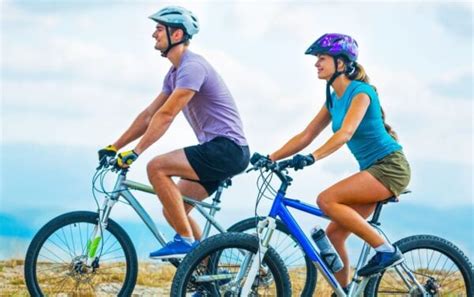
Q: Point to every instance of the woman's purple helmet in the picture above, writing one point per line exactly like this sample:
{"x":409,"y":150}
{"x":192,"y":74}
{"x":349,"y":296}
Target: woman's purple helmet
{"x":335,"y":44}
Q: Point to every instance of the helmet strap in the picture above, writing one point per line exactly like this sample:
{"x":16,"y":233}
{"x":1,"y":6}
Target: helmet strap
{"x":170,"y":44}
{"x":329,"y":83}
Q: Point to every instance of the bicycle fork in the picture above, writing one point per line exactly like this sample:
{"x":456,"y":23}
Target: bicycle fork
{"x":265,"y":230}
{"x":94,"y":241}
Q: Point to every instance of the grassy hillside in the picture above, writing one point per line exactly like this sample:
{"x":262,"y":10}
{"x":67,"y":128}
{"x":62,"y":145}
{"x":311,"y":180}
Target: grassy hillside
{"x":154,"y":279}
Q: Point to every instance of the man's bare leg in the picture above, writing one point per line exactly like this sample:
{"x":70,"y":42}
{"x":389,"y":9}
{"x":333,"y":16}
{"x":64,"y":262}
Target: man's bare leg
{"x":160,"y":170}
{"x":195,"y":191}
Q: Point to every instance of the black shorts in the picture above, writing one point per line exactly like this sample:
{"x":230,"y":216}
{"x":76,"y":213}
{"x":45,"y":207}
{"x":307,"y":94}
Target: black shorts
{"x":216,"y":160}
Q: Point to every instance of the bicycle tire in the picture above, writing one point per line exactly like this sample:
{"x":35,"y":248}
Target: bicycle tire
{"x":308,"y":277}
{"x":435,"y":245}
{"x":212,"y":249}
{"x":44,"y":240}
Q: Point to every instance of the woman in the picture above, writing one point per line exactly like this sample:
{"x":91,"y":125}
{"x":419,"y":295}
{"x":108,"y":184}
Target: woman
{"x":358,"y":120}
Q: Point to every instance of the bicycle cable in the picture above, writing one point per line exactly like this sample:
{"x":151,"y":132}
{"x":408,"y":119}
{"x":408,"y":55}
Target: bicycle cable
{"x":100,"y":175}
{"x":262,"y":188}
{"x":94,"y":180}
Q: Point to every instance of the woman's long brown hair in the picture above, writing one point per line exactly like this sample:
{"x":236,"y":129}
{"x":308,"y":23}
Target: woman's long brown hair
{"x":360,"y":75}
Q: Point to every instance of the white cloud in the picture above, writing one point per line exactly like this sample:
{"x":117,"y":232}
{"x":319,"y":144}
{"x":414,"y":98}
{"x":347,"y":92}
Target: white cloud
{"x":83,"y":77}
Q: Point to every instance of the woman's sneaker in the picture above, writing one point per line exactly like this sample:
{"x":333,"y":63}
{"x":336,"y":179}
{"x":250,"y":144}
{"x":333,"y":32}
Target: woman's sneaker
{"x":381,"y":261}
{"x":177,"y":248}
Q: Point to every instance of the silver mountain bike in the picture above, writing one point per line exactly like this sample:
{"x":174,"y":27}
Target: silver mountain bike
{"x":87,"y":253}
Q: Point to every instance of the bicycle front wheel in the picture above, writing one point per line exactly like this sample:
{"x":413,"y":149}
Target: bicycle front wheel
{"x":57,"y":261}
{"x":219,"y":267}
{"x":300,"y":267}
{"x":437,"y":264}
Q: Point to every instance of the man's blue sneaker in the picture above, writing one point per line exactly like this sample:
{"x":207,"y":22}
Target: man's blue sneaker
{"x":177,"y":248}
{"x":381,"y":261}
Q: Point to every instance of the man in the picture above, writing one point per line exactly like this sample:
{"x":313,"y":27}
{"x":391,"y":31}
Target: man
{"x":194,"y":87}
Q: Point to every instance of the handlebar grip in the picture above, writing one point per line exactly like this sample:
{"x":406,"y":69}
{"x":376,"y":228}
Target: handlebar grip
{"x":255,"y":158}
{"x":285,"y":164}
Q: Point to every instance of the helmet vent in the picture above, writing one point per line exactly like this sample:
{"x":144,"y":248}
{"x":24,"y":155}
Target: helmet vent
{"x":172,"y":12}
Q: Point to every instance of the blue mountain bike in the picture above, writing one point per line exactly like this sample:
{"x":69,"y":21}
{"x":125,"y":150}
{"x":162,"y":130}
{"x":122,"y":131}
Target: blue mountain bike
{"x":233,"y":265}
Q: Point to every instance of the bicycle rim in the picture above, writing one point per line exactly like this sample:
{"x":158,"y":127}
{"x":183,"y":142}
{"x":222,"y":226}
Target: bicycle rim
{"x":225,"y":265}
{"x":435,"y":271}
{"x":293,"y":257}
{"x":63,"y":267}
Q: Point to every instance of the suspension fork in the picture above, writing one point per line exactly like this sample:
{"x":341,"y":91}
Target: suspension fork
{"x":96,"y":237}
{"x":265,"y":229}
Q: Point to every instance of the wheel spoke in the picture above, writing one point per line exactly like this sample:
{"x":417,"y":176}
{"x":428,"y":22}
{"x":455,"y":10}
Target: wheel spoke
{"x":55,"y":274}
{"x":431,"y":261}
{"x":293,"y":256}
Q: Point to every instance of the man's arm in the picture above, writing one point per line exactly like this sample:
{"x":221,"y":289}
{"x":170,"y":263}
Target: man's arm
{"x":163,"y":118}
{"x":141,"y":122}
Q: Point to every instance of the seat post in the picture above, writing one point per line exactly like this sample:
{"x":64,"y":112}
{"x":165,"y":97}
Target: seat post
{"x":377,"y":212}
{"x":217,"y":196}
{"x":223,"y":184}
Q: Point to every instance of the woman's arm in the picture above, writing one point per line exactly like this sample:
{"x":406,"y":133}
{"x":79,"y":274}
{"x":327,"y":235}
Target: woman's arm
{"x":303,"y":139}
{"x":351,"y":122}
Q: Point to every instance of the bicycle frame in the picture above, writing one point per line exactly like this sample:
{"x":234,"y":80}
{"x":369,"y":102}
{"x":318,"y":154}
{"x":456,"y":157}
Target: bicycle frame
{"x":279,"y":209}
{"x":122,"y":189}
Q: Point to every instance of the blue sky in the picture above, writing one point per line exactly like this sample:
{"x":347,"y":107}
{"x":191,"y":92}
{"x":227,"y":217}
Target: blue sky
{"x":75,"y":74}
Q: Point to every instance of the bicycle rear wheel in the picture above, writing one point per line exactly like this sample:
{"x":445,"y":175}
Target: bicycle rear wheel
{"x":219,"y":266}
{"x":300,"y":267}
{"x":57,"y":263}
{"x":438,"y":265}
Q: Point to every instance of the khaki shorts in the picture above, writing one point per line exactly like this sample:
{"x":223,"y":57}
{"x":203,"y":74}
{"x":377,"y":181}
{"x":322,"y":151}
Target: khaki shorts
{"x":393,"y":171}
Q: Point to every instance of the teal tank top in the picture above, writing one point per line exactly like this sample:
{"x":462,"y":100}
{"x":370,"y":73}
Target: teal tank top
{"x":370,"y":142}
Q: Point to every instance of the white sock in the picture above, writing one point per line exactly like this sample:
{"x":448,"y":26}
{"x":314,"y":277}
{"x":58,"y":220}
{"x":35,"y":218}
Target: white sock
{"x":385,"y":248}
{"x":189,"y":240}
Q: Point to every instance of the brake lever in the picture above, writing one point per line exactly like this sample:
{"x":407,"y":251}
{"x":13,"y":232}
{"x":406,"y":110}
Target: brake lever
{"x":102,"y":163}
{"x":253,"y":168}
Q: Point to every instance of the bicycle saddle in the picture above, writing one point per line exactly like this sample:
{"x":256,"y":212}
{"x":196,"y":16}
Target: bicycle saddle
{"x":394,"y":198}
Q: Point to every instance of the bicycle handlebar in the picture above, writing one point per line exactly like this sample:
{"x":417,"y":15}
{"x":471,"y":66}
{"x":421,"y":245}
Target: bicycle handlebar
{"x":258,"y":161}
{"x":105,"y":162}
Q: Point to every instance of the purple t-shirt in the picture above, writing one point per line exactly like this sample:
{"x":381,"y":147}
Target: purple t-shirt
{"x":212,"y":111}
